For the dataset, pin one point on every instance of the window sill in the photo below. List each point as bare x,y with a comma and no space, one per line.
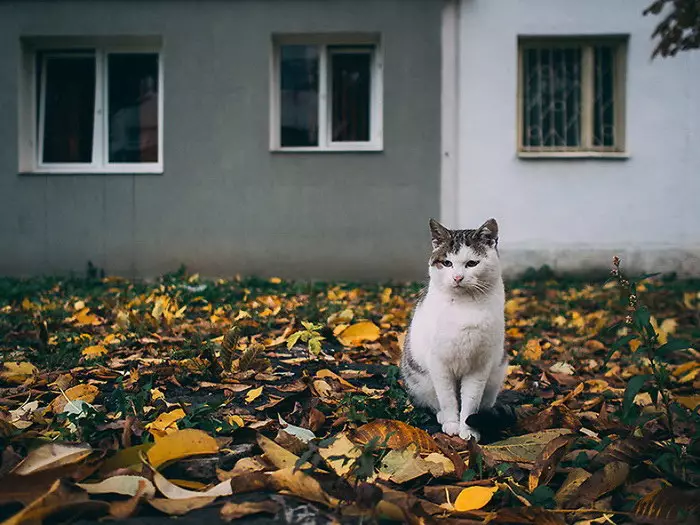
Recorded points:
131,170
331,149
603,155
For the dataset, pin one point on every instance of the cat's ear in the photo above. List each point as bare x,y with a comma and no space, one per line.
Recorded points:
488,232
439,233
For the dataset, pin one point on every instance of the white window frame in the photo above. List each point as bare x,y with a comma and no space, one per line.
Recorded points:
586,149
325,46
32,117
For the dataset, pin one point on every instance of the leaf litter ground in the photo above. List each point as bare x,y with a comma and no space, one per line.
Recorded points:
269,401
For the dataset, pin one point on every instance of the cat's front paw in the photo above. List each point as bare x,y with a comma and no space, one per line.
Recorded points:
440,417
466,433
451,428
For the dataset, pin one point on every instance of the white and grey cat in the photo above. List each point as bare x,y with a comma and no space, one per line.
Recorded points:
453,359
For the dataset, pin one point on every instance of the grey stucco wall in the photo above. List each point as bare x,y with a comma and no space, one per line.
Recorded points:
225,203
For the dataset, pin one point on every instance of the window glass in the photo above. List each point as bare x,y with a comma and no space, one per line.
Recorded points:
299,79
68,109
132,81
351,96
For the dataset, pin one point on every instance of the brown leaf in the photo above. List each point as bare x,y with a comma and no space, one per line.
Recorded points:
571,484
522,449
546,462
527,516
180,507
668,506
277,455
397,434
61,497
605,480
233,511
228,347
555,416
316,419
127,508
51,456
630,450
301,485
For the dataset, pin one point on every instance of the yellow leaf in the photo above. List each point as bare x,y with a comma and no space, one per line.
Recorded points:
634,344
157,394
359,333
84,317
235,420
112,339
532,351
165,423
181,444
513,305
84,392
275,280
252,395
17,373
690,402
474,498
95,350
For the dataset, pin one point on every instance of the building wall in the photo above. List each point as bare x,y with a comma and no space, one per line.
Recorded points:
225,204
576,213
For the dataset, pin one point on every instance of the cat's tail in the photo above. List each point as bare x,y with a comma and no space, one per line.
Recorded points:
495,422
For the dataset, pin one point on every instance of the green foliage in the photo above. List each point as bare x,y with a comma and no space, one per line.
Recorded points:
310,335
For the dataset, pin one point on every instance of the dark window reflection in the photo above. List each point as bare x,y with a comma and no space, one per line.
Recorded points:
133,107
299,95
351,99
69,106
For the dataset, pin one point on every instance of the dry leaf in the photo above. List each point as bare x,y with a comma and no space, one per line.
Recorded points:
668,506
180,507
165,423
571,484
474,498
253,394
522,449
17,373
608,478
84,392
233,511
300,485
547,461
277,455
359,333
181,444
94,351
52,456
397,434
532,350
124,485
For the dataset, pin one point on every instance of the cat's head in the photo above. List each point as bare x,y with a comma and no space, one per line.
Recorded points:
465,261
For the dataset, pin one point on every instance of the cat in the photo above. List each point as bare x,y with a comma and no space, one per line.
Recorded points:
454,346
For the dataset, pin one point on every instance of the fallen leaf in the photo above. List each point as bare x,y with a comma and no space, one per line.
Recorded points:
94,351
253,394
532,350
83,392
667,506
396,433
277,455
122,510
180,507
301,485
546,462
165,423
17,373
51,456
181,444
61,497
523,449
124,485
474,498
233,511
573,481
340,454
303,434
359,333
608,478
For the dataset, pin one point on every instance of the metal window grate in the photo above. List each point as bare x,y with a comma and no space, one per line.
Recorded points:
570,96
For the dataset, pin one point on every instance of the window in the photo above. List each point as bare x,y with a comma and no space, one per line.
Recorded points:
326,96
95,109
571,97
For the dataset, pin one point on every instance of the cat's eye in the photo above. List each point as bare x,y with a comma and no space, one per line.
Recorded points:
446,263
471,264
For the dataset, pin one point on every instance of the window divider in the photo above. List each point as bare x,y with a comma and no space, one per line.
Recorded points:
587,96
325,112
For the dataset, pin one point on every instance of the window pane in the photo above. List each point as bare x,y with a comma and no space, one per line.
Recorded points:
351,99
133,107
604,101
69,106
299,96
551,98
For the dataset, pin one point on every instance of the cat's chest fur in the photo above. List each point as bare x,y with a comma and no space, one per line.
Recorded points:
464,332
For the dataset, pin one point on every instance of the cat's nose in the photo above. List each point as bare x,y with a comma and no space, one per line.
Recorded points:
458,278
